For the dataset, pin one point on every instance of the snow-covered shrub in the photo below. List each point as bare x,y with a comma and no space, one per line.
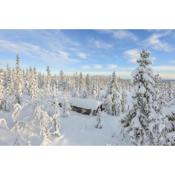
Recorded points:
16,112
48,125
3,123
9,103
65,110
99,123
56,127
22,132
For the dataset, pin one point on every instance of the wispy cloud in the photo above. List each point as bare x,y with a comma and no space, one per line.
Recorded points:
82,55
156,41
132,55
36,51
92,67
112,66
86,67
172,62
98,66
100,44
121,34
165,68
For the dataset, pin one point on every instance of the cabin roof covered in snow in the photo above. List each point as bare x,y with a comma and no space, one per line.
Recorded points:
85,103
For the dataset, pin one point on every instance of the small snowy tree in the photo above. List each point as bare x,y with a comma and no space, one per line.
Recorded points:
99,123
113,97
3,123
65,107
56,127
16,112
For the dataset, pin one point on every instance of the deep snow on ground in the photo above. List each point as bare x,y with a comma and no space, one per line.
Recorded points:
76,129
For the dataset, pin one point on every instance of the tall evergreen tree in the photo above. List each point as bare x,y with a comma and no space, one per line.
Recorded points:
18,82
142,122
113,97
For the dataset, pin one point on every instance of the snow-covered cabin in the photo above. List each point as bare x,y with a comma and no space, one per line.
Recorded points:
85,106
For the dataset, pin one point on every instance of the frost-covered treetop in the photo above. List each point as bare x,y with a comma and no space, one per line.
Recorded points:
144,58
144,54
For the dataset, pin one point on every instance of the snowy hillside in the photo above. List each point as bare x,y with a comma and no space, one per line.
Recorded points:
77,129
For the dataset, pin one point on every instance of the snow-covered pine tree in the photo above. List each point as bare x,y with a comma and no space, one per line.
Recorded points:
141,122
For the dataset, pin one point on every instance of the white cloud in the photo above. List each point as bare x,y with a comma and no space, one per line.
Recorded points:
155,41
100,44
172,61
36,51
121,34
82,55
92,67
112,66
97,66
164,68
132,55
167,75
86,67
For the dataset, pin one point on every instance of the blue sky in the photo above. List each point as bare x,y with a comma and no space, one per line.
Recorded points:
89,51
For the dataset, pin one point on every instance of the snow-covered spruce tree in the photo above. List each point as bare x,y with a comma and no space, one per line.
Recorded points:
65,110
123,100
142,122
113,97
170,91
33,84
18,82
8,82
62,82
158,100
80,84
87,82
48,81
2,95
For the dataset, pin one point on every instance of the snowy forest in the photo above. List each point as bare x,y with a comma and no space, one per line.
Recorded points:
39,108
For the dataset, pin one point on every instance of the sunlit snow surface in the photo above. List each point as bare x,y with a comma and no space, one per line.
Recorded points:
77,129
